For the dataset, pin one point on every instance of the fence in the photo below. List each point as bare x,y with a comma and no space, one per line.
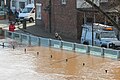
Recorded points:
79,48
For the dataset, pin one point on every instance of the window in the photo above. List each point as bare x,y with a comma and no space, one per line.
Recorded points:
13,3
63,1
103,1
97,36
38,11
26,10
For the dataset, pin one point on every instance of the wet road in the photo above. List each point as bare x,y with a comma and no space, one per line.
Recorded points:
41,63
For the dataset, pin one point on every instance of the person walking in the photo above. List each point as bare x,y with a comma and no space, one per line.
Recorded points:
12,27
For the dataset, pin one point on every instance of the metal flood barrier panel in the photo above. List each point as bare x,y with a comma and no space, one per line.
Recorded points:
60,44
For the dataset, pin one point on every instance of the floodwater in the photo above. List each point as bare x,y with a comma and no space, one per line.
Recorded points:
42,63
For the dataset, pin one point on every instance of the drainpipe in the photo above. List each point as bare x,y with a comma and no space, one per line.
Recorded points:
50,4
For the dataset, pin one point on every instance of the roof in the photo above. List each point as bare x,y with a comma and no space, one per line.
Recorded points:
114,9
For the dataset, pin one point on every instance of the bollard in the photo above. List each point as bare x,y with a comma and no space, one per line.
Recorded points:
88,49
102,52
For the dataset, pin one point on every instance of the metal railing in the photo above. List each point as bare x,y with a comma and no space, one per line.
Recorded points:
47,42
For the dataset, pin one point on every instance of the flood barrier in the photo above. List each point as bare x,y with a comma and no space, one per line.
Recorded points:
60,44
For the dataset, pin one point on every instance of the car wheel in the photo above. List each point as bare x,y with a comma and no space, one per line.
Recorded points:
31,20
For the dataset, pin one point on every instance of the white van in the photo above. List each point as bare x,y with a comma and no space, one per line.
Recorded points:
28,13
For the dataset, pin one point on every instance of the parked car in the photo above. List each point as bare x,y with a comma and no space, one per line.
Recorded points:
28,13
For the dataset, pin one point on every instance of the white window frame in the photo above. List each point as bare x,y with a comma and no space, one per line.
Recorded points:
63,2
38,5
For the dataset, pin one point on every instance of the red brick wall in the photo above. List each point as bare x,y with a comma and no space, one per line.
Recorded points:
64,18
44,21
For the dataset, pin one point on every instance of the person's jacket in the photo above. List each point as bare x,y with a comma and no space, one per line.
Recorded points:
12,27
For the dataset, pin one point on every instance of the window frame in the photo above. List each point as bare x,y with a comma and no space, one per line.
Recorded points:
38,5
63,2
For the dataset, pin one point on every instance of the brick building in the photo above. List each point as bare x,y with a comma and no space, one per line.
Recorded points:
66,18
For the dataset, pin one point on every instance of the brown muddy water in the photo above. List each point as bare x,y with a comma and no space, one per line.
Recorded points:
66,65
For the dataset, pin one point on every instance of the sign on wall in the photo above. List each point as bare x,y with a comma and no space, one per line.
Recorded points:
84,4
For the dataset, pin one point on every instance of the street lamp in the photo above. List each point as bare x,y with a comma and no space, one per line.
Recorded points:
92,27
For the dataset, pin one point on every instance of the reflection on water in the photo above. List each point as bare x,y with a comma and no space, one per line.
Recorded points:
76,66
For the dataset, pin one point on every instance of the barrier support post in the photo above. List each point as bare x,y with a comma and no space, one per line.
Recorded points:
118,54
50,42
29,40
73,46
61,46
12,36
102,52
88,49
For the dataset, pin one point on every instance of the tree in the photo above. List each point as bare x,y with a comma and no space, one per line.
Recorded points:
104,13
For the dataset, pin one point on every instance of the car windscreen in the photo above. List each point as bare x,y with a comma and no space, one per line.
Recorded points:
26,10
109,34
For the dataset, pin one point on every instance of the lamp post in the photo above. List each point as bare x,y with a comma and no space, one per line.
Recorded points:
4,9
92,28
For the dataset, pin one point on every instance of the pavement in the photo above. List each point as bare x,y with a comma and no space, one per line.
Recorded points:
35,30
